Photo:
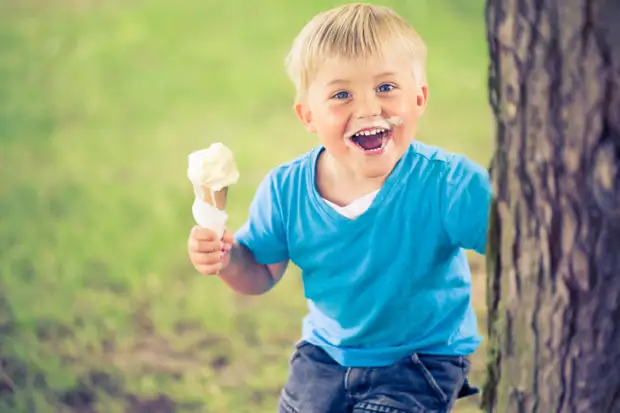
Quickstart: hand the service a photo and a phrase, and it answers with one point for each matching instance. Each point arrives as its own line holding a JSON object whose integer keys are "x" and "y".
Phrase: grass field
{"x": 101, "y": 101}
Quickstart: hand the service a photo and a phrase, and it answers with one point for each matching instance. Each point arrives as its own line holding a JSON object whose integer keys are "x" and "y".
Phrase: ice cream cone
{"x": 215, "y": 198}
{"x": 211, "y": 171}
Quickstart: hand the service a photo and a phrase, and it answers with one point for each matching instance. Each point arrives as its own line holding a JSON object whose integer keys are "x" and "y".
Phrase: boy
{"x": 377, "y": 223}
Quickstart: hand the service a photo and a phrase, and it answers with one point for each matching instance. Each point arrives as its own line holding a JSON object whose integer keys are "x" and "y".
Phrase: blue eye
{"x": 386, "y": 87}
{"x": 341, "y": 95}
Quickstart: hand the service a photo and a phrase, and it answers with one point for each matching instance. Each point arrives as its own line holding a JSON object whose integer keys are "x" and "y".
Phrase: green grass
{"x": 101, "y": 102}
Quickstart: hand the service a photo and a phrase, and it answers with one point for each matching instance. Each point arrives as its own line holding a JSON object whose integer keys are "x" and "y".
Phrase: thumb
{"x": 228, "y": 237}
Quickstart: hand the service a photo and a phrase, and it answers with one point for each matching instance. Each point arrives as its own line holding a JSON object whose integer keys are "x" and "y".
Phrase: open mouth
{"x": 372, "y": 140}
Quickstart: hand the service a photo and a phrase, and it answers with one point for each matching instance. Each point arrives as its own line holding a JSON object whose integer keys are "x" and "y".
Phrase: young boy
{"x": 377, "y": 223}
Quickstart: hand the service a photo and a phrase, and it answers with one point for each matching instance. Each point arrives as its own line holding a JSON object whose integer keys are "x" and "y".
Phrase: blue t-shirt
{"x": 393, "y": 281}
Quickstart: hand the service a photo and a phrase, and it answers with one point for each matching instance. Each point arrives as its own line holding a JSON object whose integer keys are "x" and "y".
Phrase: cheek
{"x": 408, "y": 130}
{"x": 330, "y": 125}
{"x": 409, "y": 111}
{"x": 408, "y": 105}
{"x": 333, "y": 121}
{"x": 337, "y": 116}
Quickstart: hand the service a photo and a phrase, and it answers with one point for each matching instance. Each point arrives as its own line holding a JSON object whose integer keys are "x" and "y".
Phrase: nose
{"x": 368, "y": 106}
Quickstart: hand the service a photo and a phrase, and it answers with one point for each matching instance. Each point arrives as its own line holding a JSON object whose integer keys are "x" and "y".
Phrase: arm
{"x": 245, "y": 275}
{"x": 259, "y": 256}
{"x": 465, "y": 204}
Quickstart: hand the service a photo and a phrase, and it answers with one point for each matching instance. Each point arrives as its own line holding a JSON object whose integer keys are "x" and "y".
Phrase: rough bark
{"x": 554, "y": 238}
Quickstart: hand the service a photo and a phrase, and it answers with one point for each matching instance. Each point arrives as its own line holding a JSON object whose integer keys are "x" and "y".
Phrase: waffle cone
{"x": 218, "y": 199}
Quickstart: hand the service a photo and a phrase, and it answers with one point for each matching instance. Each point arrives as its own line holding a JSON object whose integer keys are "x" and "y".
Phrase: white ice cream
{"x": 211, "y": 169}
{"x": 214, "y": 167}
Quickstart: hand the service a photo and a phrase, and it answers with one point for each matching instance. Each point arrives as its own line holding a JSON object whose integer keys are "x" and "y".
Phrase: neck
{"x": 350, "y": 176}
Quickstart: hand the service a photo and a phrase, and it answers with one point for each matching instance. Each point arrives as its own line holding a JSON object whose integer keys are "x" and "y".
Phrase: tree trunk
{"x": 554, "y": 237}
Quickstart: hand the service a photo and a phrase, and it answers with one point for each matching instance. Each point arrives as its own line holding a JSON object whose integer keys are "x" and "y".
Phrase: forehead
{"x": 340, "y": 68}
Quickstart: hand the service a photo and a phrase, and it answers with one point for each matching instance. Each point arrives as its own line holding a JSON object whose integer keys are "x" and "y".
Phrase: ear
{"x": 422, "y": 98}
{"x": 305, "y": 116}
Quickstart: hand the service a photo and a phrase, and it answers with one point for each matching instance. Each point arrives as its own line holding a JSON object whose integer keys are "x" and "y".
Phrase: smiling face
{"x": 365, "y": 110}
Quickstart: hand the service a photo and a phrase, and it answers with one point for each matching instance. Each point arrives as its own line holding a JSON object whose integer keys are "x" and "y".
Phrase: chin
{"x": 380, "y": 167}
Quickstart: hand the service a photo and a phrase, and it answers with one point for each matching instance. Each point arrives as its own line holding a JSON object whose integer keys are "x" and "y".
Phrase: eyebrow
{"x": 385, "y": 74}
{"x": 336, "y": 82}
{"x": 343, "y": 81}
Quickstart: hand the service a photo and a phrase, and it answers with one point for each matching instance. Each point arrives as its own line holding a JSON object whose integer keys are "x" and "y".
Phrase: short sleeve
{"x": 465, "y": 204}
{"x": 263, "y": 232}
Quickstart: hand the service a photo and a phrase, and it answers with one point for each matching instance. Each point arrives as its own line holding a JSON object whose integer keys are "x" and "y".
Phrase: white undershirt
{"x": 355, "y": 208}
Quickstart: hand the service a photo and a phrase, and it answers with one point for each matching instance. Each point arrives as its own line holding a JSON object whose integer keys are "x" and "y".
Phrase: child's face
{"x": 348, "y": 96}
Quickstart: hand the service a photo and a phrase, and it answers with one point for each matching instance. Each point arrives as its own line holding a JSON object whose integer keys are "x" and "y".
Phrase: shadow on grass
{"x": 21, "y": 382}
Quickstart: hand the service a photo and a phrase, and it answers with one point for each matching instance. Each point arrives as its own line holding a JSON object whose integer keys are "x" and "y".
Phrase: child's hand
{"x": 208, "y": 254}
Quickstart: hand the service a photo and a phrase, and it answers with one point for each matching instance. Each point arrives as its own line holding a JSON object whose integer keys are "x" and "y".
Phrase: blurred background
{"x": 101, "y": 102}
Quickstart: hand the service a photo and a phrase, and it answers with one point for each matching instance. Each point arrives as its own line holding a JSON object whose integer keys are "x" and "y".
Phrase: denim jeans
{"x": 415, "y": 384}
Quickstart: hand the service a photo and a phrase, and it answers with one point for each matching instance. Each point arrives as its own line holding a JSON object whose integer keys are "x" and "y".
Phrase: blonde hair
{"x": 351, "y": 31}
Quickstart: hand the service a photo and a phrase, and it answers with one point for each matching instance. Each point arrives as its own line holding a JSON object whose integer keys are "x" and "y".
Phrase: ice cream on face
{"x": 213, "y": 167}
{"x": 395, "y": 121}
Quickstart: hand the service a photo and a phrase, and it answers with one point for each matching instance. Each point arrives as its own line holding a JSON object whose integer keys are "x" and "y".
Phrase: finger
{"x": 203, "y": 234}
{"x": 206, "y": 269}
{"x": 228, "y": 237}
{"x": 225, "y": 260}
{"x": 208, "y": 259}
{"x": 209, "y": 269}
{"x": 205, "y": 246}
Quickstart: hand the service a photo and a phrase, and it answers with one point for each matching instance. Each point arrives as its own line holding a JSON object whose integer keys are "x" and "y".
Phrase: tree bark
{"x": 554, "y": 239}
